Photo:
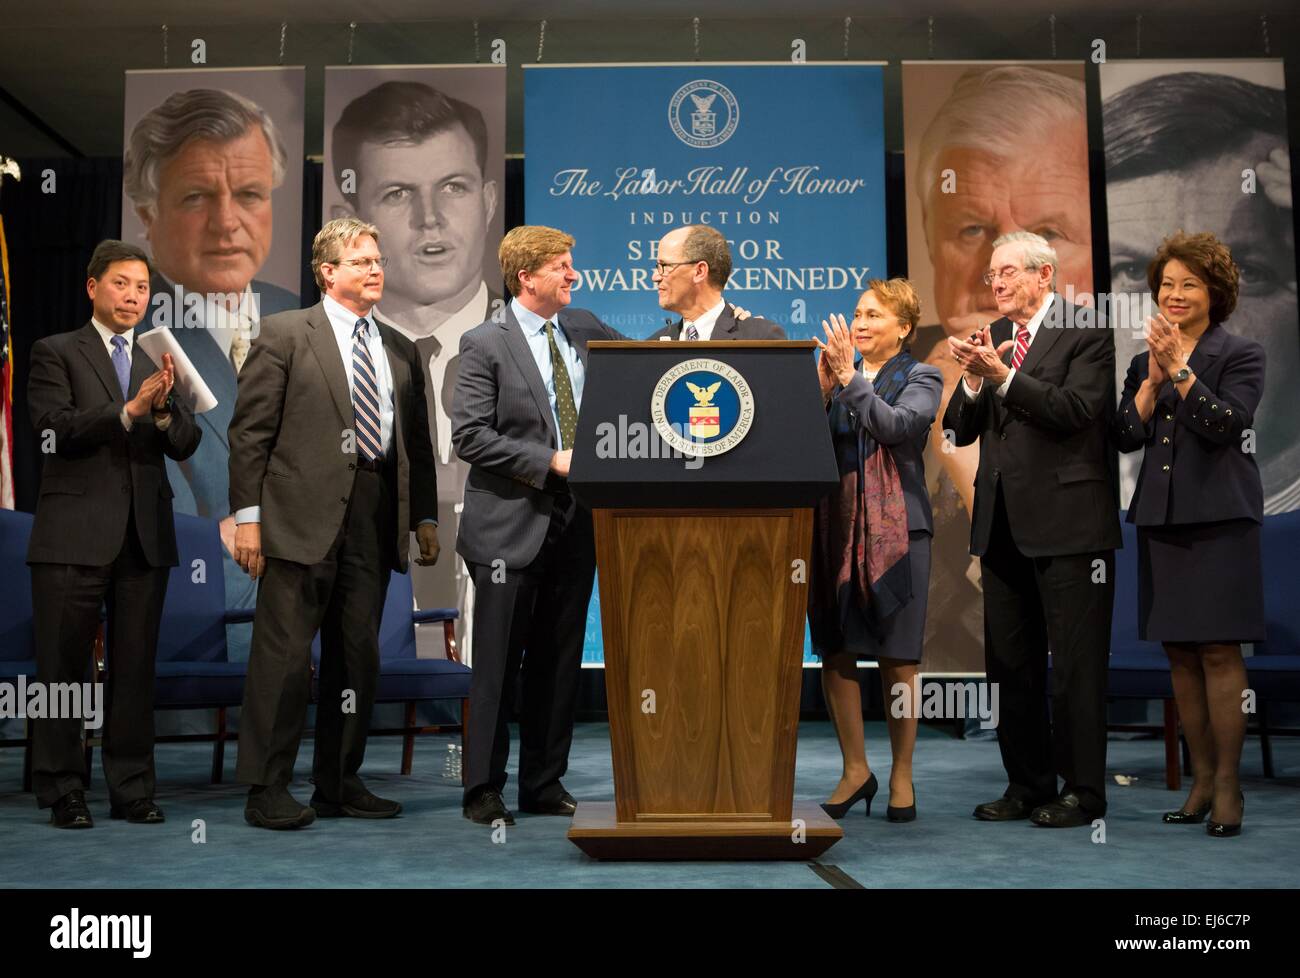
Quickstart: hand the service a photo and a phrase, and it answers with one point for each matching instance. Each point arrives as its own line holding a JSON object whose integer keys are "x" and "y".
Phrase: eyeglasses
{"x": 664, "y": 267}
{"x": 364, "y": 263}
{"x": 1007, "y": 273}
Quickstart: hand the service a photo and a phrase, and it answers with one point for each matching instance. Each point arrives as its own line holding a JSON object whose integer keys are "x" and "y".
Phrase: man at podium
{"x": 693, "y": 267}
{"x": 528, "y": 543}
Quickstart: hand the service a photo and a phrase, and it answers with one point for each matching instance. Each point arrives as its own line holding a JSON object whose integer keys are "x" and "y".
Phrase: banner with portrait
{"x": 787, "y": 161}
{"x": 419, "y": 152}
{"x": 1202, "y": 146}
{"x": 990, "y": 147}
{"x": 212, "y": 189}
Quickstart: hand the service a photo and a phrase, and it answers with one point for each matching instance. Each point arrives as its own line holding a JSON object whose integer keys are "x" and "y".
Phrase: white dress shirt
{"x": 1035, "y": 321}
{"x": 704, "y": 325}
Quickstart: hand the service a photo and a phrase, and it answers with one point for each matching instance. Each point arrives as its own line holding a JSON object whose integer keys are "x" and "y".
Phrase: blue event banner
{"x": 786, "y": 160}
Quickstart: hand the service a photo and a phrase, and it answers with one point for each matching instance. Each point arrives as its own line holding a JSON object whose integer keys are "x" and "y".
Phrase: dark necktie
{"x": 564, "y": 403}
{"x": 122, "y": 364}
{"x": 365, "y": 396}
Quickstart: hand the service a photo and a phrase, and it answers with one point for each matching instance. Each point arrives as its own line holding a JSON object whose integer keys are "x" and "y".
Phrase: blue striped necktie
{"x": 365, "y": 396}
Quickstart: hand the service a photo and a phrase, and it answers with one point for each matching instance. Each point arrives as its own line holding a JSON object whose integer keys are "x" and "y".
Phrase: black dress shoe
{"x": 142, "y": 811}
{"x": 905, "y": 813}
{"x": 1064, "y": 813}
{"x": 1004, "y": 809}
{"x": 70, "y": 812}
{"x": 272, "y": 807}
{"x": 563, "y": 804}
{"x": 486, "y": 807}
{"x": 365, "y": 805}
{"x": 838, "y": 809}
{"x": 1184, "y": 817}
{"x": 1219, "y": 830}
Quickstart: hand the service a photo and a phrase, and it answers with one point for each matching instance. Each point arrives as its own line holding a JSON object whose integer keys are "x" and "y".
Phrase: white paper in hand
{"x": 189, "y": 384}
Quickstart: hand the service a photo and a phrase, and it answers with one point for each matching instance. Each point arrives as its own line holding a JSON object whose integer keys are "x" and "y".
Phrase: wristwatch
{"x": 167, "y": 405}
{"x": 1181, "y": 374}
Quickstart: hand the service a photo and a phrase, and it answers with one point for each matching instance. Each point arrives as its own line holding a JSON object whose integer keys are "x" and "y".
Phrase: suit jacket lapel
{"x": 1207, "y": 349}
{"x": 726, "y": 325}
{"x": 320, "y": 336}
{"x": 523, "y": 357}
{"x": 1049, "y": 331}
{"x": 92, "y": 347}
{"x": 576, "y": 337}
{"x": 142, "y": 366}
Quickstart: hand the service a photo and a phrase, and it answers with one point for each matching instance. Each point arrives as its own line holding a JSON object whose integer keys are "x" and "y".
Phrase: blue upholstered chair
{"x": 406, "y": 679}
{"x": 1139, "y": 670}
{"x": 1274, "y": 669}
{"x": 17, "y": 641}
{"x": 192, "y": 670}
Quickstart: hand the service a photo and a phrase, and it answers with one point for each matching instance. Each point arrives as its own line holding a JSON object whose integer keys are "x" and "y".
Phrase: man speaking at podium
{"x": 528, "y": 543}
{"x": 693, "y": 267}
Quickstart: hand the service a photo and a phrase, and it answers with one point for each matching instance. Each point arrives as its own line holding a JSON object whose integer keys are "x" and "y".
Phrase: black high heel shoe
{"x": 1184, "y": 817}
{"x": 867, "y": 791}
{"x": 907, "y": 814}
{"x": 1219, "y": 830}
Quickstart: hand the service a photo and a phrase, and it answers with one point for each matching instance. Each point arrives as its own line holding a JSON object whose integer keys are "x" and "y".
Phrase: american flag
{"x": 6, "y": 383}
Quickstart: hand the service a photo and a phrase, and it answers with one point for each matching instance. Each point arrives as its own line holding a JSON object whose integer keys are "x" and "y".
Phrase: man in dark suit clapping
{"x": 103, "y": 532}
{"x": 1045, "y": 527}
{"x": 331, "y": 468}
{"x": 528, "y": 543}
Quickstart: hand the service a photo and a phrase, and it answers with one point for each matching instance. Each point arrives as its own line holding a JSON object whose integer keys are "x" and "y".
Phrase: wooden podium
{"x": 703, "y": 590}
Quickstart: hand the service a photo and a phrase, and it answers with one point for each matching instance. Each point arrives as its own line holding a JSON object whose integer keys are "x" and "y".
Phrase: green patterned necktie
{"x": 567, "y": 410}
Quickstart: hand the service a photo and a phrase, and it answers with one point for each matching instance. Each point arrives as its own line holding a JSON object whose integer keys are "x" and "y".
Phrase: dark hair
{"x": 111, "y": 250}
{"x": 707, "y": 244}
{"x": 1171, "y": 121}
{"x": 1209, "y": 259}
{"x": 402, "y": 111}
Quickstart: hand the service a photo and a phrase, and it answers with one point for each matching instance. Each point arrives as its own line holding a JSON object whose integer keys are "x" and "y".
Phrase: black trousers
{"x": 343, "y": 598}
{"x": 530, "y": 622}
{"x": 1032, "y": 604}
{"x": 66, "y": 601}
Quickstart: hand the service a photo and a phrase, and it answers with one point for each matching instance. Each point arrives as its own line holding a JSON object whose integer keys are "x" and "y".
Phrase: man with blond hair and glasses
{"x": 331, "y": 468}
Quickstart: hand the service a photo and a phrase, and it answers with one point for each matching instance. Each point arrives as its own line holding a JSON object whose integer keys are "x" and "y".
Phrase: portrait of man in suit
{"x": 1177, "y": 145}
{"x": 690, "y": 274}
{"x": 414, "y": 161}
{"x": 970, "y": 181}
{"x": 200, "y": 169}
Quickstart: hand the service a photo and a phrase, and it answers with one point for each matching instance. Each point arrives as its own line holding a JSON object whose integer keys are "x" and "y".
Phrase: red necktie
{"x": 1022, "y": 347}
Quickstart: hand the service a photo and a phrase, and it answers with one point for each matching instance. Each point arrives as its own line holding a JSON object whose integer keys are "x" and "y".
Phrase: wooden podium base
{"x": 597, "y": 833}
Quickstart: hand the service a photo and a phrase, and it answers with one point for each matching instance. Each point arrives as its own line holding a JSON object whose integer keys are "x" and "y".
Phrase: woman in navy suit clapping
{"x": 1189, "y": 401}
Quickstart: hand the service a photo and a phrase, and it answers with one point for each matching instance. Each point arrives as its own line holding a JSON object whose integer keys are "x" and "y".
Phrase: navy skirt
{"x": 904, "y": 631}
{"x": 1201, "y": 583}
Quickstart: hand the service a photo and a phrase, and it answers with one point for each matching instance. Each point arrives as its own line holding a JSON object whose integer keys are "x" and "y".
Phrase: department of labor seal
{"x": 702, "y": 407}
{"x": 697, "y": 116}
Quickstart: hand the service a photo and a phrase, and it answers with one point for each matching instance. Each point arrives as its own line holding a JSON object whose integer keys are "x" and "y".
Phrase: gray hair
{"x": 1035, "y": 252}
{"x": 328, "y": 245}
{"x": 200, "y": 113}
{"x": 1038, "y": 98}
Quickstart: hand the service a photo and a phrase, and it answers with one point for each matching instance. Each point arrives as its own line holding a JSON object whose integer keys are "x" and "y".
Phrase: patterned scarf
{"x": 860, "y": 534}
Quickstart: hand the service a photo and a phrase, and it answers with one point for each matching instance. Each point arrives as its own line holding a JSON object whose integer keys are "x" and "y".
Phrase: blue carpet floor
{"x": 432, "y": 845}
